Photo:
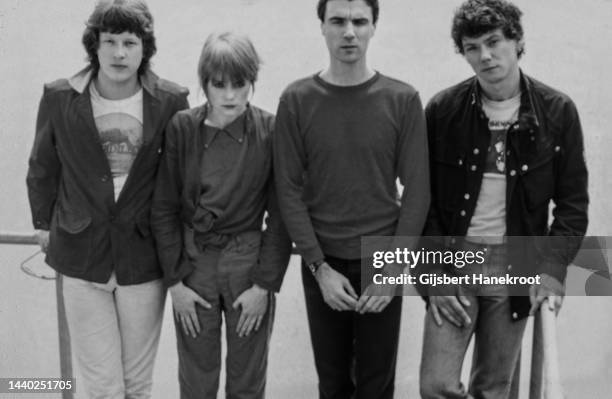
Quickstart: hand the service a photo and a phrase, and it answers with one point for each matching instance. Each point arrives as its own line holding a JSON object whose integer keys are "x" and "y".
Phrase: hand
{"x": 42, "y": 236}
{"x": 184, "y": 301}
{"x": 549, "y": 288}
{"x": 254, "y": 302}
{"x": 337, "y": 290}
{"x": 375, "y": 298}
{"x": 451, "y": 307}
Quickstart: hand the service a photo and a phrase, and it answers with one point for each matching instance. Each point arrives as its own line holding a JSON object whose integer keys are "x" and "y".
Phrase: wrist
{"x": 321, "y": 270}
{"x": 175, "y": 287}
{"x": 259, "y": 290}
{"x": 315, "y": 266}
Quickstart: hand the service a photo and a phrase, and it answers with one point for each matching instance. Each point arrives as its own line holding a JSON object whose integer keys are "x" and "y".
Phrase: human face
{"x": 227, "y": 99}
{"x": 119, "y": 55}
{"x": 493, "y": 57}
{"x": 347, "y": 28}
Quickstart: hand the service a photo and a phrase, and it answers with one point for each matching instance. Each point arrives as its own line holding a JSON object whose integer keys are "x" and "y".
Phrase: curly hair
{"x": 477, "y": 17}
{"x": 321, "y": 7}
{"x": 118, "y": 16}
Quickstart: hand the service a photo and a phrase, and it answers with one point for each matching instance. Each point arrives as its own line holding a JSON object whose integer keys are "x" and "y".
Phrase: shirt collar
{"x": 235, "y": 130}
{"x": 527, "y": 114}
{"x": 81, "y": 79}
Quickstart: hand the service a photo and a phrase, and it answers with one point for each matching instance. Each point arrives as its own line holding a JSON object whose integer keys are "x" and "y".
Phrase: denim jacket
{"x": 70, "y": 186}
{"x": 544, "y": 164}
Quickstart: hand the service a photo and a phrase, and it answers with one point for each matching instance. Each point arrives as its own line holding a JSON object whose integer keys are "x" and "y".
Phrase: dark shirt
{"x": 338, "y": 151}
{"x": 231, "y": 171}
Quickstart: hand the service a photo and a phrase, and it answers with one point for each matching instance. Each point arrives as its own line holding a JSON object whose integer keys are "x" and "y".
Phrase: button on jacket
{"x": 545, "y": 162}
{"x": 177, "y": 210}
{"x": 70, "y": 186}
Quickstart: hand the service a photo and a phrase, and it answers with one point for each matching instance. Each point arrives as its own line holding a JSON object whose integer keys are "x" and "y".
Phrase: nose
{"x": 230, "y": 93}
{"x": 120, "y": 51}
{"x": 349, "y": 32}
{"x": 485, "y": 53}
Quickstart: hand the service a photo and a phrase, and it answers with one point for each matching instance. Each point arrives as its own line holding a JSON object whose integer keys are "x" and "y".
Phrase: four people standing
{"x": 502, "y": 146}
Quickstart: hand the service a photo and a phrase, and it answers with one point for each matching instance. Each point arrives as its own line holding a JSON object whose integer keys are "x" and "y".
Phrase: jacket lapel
{"x": 83, "y": 111}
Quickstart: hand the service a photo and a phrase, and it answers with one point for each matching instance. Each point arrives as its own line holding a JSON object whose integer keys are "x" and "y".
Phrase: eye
{"x": 493, "y": 42}
{"x": 217, "y": 84}
{"x": 360, "y": 22}
{"x": 239, "y": 83}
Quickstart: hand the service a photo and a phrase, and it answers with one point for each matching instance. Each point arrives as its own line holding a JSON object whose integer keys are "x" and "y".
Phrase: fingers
{"x": 240, "y": 327}
{"x": 536, "y": 301}
{"x": 349, "y": 289}
{"x": 374, "y": 304}
{"x": 436, "y": 314}
{"x": 202, "y": 302}
{"x": 189, "y": 323}
{"x": 452, "y": 308}
{"x": 248, "y": 324}
{"x": 361, "y": 303}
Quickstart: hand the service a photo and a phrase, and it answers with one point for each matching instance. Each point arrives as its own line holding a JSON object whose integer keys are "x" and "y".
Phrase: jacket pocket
{"x": 71, "y": 240}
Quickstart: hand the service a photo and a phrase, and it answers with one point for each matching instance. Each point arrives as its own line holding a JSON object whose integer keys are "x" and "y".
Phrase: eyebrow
{"x": 343, "y": 19}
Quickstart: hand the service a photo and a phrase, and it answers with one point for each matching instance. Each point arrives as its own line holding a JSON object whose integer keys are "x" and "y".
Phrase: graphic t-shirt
{"x": 119, "y": 124}
{"x": 488, "y": 223}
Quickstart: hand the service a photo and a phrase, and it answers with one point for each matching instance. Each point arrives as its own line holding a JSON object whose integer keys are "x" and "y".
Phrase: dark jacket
{"x": 545, "y": 162}
{"x": 178, "y": 192}
{"x": 70, "y": 186}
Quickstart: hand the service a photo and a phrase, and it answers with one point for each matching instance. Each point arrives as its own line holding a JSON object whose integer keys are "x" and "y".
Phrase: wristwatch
{"x": 314, "y": 266}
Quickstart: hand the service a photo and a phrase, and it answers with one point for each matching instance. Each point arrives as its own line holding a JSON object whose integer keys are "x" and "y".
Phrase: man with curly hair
{"x": 90, "y": 182}
{"x": 503, "y": 147}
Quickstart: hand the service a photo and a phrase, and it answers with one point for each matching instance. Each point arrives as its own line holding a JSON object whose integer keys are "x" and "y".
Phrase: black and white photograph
{"x": 330, "y": 199}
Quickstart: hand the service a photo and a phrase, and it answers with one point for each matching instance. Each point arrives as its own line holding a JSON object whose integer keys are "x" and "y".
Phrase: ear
{"x": 520, "y": 46}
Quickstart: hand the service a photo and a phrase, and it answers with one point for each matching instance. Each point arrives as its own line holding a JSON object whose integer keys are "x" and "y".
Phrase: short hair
{"x": 230, "y": 55}
{"x": 477, "y": 17}
{"x": 118, "y": 16}
{"x": 322, "y": 6}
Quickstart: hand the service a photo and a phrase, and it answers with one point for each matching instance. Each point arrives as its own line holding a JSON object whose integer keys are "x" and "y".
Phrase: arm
{"x": 412, "y": 169}
{"x": 275, "y": 250}
{"x": 433, "y": 232}
{"x": 166, "y": 209}
{"x": 289, "y": 168}
{"x": 44, "y": 169}
{"x": 570, "y": 217}
{"x": 570, "y": 214}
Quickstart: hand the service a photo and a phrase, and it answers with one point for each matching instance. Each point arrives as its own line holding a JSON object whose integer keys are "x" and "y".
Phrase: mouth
{"x": 348, "y": 47}
{"x": 489, "y": 69}
{"x": 229, "y": 107}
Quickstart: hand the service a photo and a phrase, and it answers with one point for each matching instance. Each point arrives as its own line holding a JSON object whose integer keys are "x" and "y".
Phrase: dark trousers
{"x": 220, "y": 276}
{"x": 355, "y": 355}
